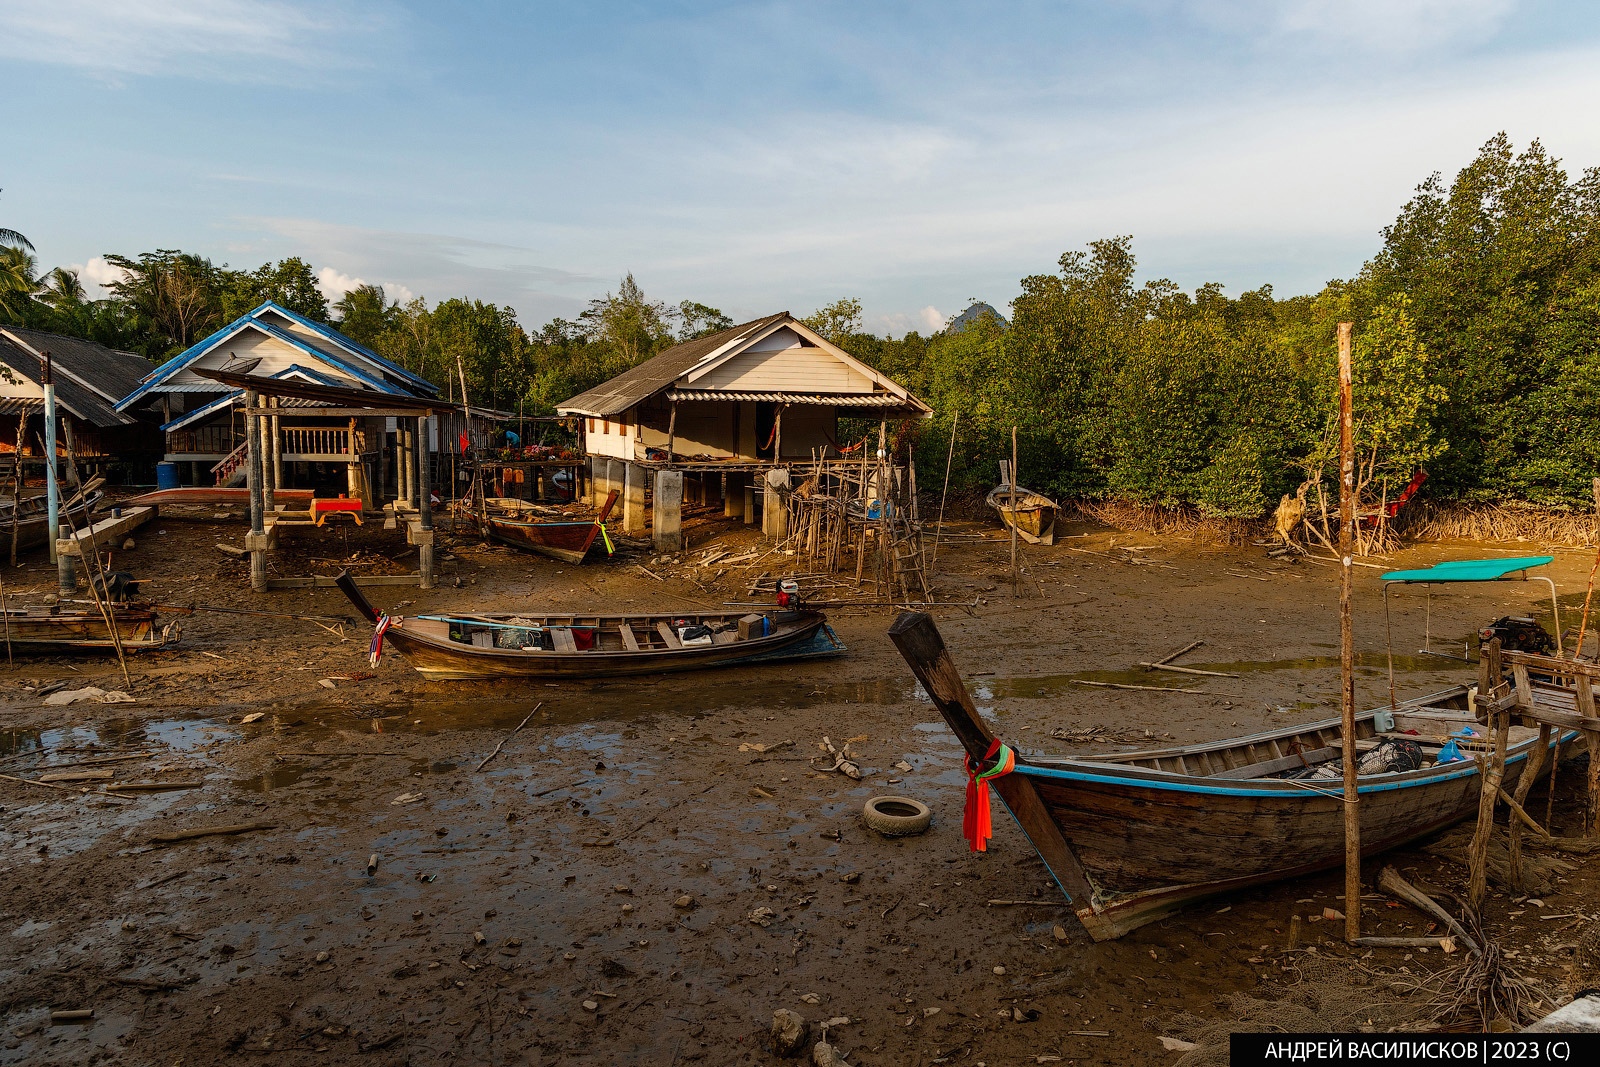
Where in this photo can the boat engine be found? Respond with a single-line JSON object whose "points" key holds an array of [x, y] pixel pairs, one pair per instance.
{"points": [[789, 595], [1518, 633]]}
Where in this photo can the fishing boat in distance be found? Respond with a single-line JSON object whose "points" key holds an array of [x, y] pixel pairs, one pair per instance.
{"points": [[1032, 515], [1133, 836], [473, 646], [550, 531], [52, 629]]}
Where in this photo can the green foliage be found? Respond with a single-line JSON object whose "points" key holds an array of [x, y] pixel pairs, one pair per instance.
{"points": [[837, 321], [289, 283]]}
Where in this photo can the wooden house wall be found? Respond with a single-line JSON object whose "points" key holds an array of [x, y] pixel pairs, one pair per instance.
{"points": [[274, 354], [794, 368]]}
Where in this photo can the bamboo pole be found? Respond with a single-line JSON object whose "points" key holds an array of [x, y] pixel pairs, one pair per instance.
{"points": [[1013, 513], [948, 459], [1347, 646]]}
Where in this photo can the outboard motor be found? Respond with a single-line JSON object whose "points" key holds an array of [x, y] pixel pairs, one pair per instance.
{"points": [[1519, 633]]}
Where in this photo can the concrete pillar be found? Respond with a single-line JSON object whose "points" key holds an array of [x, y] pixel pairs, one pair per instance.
{"points": [[616, 477], [255, 471], [749, 501], [633, 501], [66, 574], [732, 498], [667, 513]]}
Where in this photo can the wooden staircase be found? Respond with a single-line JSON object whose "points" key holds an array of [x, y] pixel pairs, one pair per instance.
{"points": [[230, 471]]}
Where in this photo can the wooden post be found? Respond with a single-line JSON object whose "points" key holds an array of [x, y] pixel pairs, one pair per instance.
{"points": [[1347, 645], [1584, 705], [777, 434], [1478, 853], [424, 507], [732, 496], [66, 576], [256, 542], [749, 490], [277, 446], [264, 427], [919, 641], [672, 431], [1525, 781], [1013, 516]]}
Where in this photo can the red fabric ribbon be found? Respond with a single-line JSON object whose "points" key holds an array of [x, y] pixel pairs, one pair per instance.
{"points": [[976, 825]]}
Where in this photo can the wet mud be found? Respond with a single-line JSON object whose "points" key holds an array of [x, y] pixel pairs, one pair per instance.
{"points": [[650, 867]]}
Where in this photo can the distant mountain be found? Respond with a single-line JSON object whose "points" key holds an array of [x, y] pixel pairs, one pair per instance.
{"points": [[972, 315]]}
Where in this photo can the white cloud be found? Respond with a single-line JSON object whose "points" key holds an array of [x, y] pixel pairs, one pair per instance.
{"points": [[96, 275], [932, 319], [1395, 25], [234, 40], [334, 284]]}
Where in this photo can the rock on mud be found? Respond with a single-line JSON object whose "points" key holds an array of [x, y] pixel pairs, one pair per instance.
{"points": [[789, 1032]]}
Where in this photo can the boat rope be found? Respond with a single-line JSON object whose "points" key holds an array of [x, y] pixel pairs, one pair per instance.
{"points": [[975, 823], [375, 650], [1325, 792], [606, 537]]}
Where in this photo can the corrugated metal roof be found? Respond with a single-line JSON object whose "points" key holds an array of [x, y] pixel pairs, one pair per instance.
{"points": [[77, 399], [655, 374], [108, 371], [840, 400]]}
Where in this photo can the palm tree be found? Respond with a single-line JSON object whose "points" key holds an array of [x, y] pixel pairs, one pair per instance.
{"points": [[12, 237], [17, 282], [61, 289]]}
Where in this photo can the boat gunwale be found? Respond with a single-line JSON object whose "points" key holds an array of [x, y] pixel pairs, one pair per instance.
{"points": [[815, 621]]}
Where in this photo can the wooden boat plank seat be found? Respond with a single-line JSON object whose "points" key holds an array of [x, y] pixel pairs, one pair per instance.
{"points": [[1282, 763], [561, 637], [629, 641], [665, 630]]}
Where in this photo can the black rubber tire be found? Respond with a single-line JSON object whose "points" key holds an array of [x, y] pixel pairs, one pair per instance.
{"points": [[896, 816]]}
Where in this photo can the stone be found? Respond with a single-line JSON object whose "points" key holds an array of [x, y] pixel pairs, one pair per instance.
{"points": [[789, 1032], [825, 1055], [685, 901]]}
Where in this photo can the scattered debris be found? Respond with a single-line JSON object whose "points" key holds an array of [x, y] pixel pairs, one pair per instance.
{"points": [[762, 917], [789, 1032], [88, 694]]}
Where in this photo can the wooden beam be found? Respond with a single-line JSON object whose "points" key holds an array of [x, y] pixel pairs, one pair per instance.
{"points": [[340, 413], [319, 581], [105, 531], [917, 637]]}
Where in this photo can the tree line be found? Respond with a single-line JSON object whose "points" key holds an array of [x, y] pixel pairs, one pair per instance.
{"points": [[1477, 343]]}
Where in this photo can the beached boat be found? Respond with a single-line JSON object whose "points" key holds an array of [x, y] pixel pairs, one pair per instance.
{"points": [[217, 496], [33, 518], [51, 629], [1032, 514], [1131, 837], [538, 645], [550, 531]]}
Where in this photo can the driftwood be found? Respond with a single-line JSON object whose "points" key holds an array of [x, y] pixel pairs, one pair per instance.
{"points": [[507, 737], [1400, 942], [1183, 670], [211, 831], [1390, 882], [1145, 688]]}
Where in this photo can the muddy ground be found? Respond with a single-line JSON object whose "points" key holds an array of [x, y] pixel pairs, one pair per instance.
{"points": [[586, 898]]}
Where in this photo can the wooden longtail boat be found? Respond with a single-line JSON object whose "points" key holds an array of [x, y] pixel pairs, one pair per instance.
{"points": [[1034, 515], [1132, 837], [547, 531], [52, 630], [33, 520], [530, 645]]}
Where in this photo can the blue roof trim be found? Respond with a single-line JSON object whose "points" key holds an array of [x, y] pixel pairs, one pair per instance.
{"points": [[204, 409], [180, 361], [314, 375], [189, 355], [346, 343], [378, 384]]}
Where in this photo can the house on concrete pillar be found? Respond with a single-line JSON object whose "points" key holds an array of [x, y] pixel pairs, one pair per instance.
{"points": [[205, 429], [761, 394], [706, 416]]}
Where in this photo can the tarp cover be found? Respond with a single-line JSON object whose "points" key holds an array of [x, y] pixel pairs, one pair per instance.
{"points": [[1469, 570]]}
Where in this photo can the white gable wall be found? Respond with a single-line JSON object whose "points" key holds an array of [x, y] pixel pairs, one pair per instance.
{"points": [[793, 369], [21, 387], [275, 356]]}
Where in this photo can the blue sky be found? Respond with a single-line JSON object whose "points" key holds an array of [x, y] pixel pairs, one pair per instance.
{"points": [[765, 156]]}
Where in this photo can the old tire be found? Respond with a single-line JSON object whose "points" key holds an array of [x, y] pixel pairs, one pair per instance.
{"points": [[896, 816]]}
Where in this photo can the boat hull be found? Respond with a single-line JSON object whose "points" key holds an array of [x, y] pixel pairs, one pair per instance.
{"points": [[1151, 842], [446, 660], [137, 629], [567, 541]]}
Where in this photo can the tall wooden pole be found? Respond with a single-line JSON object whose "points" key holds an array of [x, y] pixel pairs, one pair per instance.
{"points": [[1013, 511], [1347, 643], [51, 489]]}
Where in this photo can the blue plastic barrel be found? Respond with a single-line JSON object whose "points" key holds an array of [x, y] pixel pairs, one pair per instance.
{"points": [[167, 476]]}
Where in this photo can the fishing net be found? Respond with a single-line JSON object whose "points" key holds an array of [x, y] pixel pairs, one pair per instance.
{"points": [[1323, 995]]}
